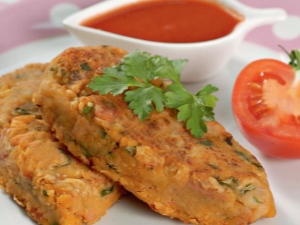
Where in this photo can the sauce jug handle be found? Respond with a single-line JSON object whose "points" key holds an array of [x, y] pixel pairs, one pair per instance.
{"points": [[258, 17]]}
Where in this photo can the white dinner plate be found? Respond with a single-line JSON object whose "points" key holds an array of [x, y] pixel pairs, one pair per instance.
{"points": [[282, 174]]}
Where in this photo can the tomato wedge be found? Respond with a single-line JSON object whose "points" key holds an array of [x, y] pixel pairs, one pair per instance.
{"points": [[266, 106]]}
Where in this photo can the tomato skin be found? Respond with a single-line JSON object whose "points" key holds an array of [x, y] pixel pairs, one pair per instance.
{"points": [[270, 145], [277, 136]]}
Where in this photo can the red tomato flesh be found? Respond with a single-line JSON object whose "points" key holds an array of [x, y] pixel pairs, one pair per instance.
{"points": [[266, 106]]}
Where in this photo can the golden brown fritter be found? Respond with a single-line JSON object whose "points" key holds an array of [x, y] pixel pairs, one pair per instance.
{"points": [[209, 181], [36, 170], [16, 89]]}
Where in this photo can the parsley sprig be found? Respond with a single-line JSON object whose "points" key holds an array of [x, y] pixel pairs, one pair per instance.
{"points": [[135, 76]]}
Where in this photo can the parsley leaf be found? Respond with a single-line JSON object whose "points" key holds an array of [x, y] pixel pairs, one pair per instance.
{"points": [[137, 75], [115, 82], [142, 100]]}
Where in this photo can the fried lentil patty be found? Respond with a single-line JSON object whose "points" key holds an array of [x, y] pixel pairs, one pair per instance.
{"points": [[36, 170], [209, 181]]}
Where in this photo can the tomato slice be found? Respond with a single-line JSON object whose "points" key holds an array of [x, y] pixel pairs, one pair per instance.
{"points": [[266, 106]]}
